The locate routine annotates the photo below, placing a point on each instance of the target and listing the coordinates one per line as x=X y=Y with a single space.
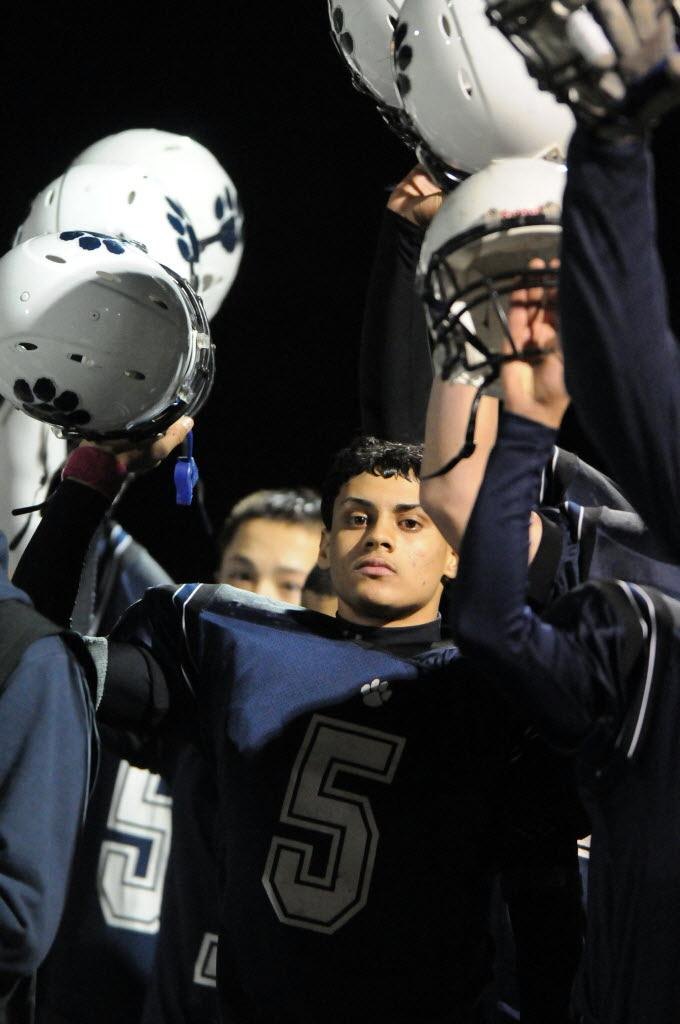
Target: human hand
x=533 y=386
x=150 y=453
x=416 y=198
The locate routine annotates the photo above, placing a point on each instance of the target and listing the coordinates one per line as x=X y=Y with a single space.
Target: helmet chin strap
x=469 y=445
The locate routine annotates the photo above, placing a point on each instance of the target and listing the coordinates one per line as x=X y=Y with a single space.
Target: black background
x=261 y=86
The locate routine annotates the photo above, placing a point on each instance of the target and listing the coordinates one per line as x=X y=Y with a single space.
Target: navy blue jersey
x=45 y=762
x=183 y=985
x=100 y=964
x=365 y=801
x=600 y=674
x=621 y=359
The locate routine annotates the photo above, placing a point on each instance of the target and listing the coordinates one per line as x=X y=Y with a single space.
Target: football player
x=598 y=674
x=618 y=65
x=369 y=786
x=269 y=542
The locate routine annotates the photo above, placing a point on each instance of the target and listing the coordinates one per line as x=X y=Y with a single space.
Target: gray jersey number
x=325 y=901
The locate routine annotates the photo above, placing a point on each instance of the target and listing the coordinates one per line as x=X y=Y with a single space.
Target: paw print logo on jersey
x=187 y=243
x=376 y=693
x=228 y=213
x=92 y=240
x=61 y=409
x=403 y=55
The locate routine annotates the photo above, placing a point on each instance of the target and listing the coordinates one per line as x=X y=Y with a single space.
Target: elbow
x=24 y=943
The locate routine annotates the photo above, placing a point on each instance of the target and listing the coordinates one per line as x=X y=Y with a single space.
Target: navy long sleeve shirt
x=600 y=675
x=622 y=360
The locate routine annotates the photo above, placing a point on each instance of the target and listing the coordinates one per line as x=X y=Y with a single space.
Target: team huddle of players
x=350 y=780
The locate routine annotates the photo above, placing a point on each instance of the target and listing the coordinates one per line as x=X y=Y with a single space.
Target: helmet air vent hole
x=135 y=374
x=131 y=197
x=446 y=25
x=25 y=346
x=392 y=21
x=465 y=83
x=49 y=198
x=77 y=357
x=106 y=276
x=55 y=259
x=158 y=302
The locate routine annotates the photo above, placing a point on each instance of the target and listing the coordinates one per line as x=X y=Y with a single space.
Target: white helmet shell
x=98 y=339
x=467 y=91
x=118 y=201
x=362 y=31
x=477 y=249
x=194 y=178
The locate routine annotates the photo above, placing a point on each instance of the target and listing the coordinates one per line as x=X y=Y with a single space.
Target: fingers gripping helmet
x=467 y=93
x=117 y=201
x=362 y=32
x=99 y=340
x=197 y=182
x=586 y=56
x=476 y=252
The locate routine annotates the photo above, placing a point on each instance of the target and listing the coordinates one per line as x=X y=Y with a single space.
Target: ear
x=451 y=564
x=323 y=560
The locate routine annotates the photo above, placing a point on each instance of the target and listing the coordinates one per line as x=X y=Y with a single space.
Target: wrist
x=95 y=468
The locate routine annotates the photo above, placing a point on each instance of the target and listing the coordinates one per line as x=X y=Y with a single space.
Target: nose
x=380 y=535
x=267 y=588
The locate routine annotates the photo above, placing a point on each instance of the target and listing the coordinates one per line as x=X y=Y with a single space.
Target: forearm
x=50 y=567
x=449 y=499
x=546 y=669
x=395 y=368
x=622 y=360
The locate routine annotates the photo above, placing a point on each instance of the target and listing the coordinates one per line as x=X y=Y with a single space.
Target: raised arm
x=622 y=360
x=395 y=368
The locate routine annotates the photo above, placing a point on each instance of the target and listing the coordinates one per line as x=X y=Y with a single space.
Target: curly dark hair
x=368 y=455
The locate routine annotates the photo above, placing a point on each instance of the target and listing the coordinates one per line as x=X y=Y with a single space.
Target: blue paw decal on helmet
x=403 y=55
x=228 y=212
x=187 y=243
x=92 y=240
x=43 y=398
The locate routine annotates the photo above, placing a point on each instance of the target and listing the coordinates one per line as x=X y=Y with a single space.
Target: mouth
x=374 y=568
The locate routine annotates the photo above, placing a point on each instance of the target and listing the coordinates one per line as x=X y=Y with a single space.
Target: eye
x=357 y=518
x=291 y=586
x=240 y=575
x=411 y=525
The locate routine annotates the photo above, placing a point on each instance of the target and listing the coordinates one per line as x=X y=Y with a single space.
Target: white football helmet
x=476 y=252
x=362 y=32
x=193 y=178
x=118 y=201
x=467 y=92
x=98 y=339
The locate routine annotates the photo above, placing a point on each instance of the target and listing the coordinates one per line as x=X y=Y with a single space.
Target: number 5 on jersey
x=326 y=901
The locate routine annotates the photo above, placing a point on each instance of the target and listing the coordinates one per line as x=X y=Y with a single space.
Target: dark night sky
x=260 y=84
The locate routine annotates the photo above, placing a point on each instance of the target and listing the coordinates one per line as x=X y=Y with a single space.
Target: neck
x=389 y=616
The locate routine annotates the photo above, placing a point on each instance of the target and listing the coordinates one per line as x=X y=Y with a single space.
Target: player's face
x=386 y=556
x=270 y=558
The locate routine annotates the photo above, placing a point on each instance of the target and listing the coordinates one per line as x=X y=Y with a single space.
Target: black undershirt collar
x=403 y=640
